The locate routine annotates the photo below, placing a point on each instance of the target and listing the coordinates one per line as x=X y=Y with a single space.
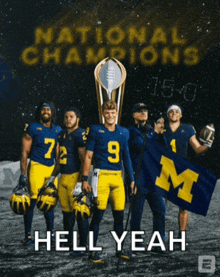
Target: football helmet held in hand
x=47 y=198
x=84 y=205
x=207 y=135
x=20 y=200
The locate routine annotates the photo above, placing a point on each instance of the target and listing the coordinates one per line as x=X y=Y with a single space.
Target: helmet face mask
x=47 y=198
x=20 y=201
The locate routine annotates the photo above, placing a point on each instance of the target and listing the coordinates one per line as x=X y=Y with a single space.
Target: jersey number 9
x=114 y=148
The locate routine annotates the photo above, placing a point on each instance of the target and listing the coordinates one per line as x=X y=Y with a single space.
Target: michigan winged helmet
x=20 y=200
x=47 y=198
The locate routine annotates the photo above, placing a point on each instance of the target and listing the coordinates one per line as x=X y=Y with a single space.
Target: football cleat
x=47 y=198
x=83 y=206
x=124 y=255
x=94 y=258
x=53 y=239
x=20 y=200
x=28 y=242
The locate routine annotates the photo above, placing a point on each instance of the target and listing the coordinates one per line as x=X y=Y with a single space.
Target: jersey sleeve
x=91 y=138
x=81 y=138
x=29 y=129
x=59 y=130
x=191 y=131
x=126 y=159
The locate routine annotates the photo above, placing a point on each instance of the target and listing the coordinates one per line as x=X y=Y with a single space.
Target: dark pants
x=158 y=208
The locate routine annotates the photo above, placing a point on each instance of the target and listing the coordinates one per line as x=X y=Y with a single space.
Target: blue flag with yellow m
x=182 y=182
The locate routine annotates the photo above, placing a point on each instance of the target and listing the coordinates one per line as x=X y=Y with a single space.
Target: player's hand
x=207 y=135
x=133 y=188
x=50 y=180
x=86 y=187
x=22 y=183
x=159 y=126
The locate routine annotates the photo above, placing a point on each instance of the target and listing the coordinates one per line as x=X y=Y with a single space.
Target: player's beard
x=72 y=126
x=46 y=120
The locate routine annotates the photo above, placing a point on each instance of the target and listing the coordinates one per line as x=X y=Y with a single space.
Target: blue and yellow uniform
x=155 y=200
x=110 y=149
x=40 y=168
x=178 y=141
x=42 y=156
x=111 y=154
x=70 y=165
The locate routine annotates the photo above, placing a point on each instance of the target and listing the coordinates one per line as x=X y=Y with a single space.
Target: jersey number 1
x=173 y=145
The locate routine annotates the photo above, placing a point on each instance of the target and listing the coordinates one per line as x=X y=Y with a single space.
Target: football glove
x=207 y=135
x=22 y=182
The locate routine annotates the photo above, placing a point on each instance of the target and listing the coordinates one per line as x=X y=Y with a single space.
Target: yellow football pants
x=111 y=187
x=66 y=186
x=38 y=174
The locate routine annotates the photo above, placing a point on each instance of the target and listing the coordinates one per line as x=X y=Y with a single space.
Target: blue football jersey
x=69 y=144
x=44 y=142
x=179 y=141
x=110 y=149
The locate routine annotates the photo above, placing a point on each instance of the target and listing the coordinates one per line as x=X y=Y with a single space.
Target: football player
x=72 y=142
x=40 y=142
x=136 y=140
x=179 y=136
x=108 y=144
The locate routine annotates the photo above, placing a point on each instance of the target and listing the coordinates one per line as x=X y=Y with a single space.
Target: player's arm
x=81 y=152
x=56 y=169
x=196 y=146
x=128 y=167
x=86 y=170
x=26 y=144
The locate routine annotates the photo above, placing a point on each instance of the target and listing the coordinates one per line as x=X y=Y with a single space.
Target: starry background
x=195 y=88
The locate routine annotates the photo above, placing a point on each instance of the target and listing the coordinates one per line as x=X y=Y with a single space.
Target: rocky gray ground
x=15 y=260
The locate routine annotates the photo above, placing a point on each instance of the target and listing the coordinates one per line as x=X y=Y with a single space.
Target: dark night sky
x=195 y=88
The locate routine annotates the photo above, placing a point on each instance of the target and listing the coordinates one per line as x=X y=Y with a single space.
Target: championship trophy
x=110 y=77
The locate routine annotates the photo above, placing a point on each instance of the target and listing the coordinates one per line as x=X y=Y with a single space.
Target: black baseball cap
x=138 y=107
